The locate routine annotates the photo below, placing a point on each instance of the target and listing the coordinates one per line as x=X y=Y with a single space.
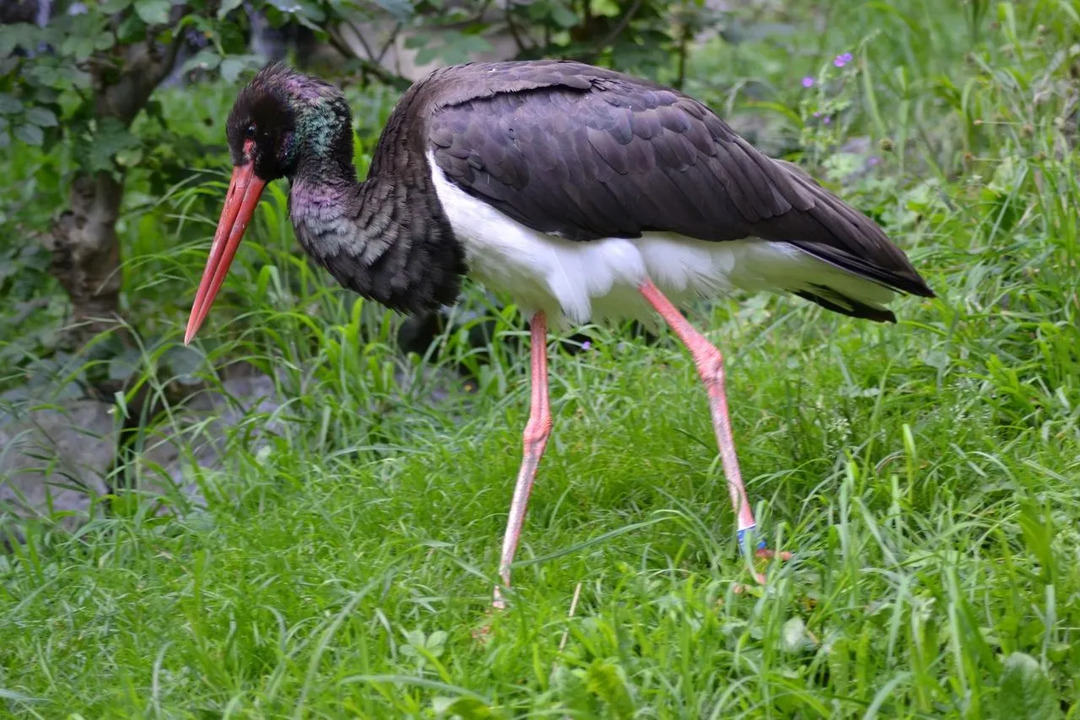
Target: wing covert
x=613 y=160
x=617 y=157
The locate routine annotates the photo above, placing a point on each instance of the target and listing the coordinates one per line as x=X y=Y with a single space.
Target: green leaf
x=61 y=76
x=570 y=688
x=9 y=104
x=1037 y=529
x=104 y=41
x=153 y=12
x=227 y=6
x=45 y=97
x=82 y=35
x=605 y=680
x=114 y=6
x=794 y=638
x=450 y=46
x=42 y=117
x=131 y=28
x=129 y=157
x=436 y=641
x=232 y=67
x=110 y=139
x=9 y=40
x=466 y=708
x=426 y=55
x=30 y=134
x=205 y=59
x=401 y=10
x=418 y=40
x=305 y=11
x=1025 y=690
x=153 y=110
x=563 y=16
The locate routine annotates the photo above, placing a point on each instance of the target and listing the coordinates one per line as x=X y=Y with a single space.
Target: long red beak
x=244 y=191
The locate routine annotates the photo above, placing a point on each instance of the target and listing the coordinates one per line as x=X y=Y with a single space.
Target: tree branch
x=172 y=53
x=512 y=27
x=389 y=42
x=367 y=66
x=360 y=36
x=621 y=25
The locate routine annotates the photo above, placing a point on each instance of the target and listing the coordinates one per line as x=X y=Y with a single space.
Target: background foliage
x=340 y=561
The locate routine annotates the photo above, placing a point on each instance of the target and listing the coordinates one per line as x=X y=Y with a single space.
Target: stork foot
x=498 y=602
x=761 y=550
x=762 y=555
x=482 y=635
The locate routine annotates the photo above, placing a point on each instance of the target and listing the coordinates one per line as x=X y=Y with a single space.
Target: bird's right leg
x=535 y=438
x=710 y=367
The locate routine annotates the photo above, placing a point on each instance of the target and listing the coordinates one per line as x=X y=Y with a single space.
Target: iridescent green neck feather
x=323 y=135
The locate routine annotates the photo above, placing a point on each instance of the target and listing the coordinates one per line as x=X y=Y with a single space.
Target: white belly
x=577 y=282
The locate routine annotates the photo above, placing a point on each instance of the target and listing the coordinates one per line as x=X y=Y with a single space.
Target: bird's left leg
x=710 y=367
x=535 y=438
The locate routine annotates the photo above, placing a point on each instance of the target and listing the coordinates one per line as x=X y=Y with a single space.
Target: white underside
x=578 y=282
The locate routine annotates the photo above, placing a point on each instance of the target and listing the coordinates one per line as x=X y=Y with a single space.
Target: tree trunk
x=86 y=254
x=85 y=248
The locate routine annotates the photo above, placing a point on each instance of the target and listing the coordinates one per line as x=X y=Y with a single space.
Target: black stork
x=581 y=193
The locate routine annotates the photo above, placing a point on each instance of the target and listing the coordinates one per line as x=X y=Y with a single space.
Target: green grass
x=925 y=474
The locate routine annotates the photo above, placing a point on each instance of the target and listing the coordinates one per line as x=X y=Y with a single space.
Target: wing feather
x=586 y=153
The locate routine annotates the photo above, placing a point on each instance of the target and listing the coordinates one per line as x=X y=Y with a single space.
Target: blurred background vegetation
x=115 y=111
x=952 y=437
x=111 y=117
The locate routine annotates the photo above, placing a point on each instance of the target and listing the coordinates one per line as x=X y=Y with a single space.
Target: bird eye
x=250 y=131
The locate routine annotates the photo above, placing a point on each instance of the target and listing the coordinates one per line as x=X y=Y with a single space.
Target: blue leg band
x=742 y=538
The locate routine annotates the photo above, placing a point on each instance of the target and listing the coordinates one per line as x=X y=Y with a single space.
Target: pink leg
x=537 y=431
x=710 y=366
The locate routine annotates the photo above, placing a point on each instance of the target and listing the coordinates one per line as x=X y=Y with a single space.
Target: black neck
x=387 y=238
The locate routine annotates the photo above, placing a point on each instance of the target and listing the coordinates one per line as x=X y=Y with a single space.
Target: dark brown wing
x=586 y=153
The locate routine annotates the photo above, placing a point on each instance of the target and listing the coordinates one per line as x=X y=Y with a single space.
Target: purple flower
x=842 y=59
x=808 y=82
x=826 y=120
x=586 y=345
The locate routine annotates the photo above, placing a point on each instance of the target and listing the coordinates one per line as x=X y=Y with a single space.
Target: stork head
x=281 y=120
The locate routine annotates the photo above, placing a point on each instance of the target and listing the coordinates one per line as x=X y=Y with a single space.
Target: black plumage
x=387 y=238
x=587 y=153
